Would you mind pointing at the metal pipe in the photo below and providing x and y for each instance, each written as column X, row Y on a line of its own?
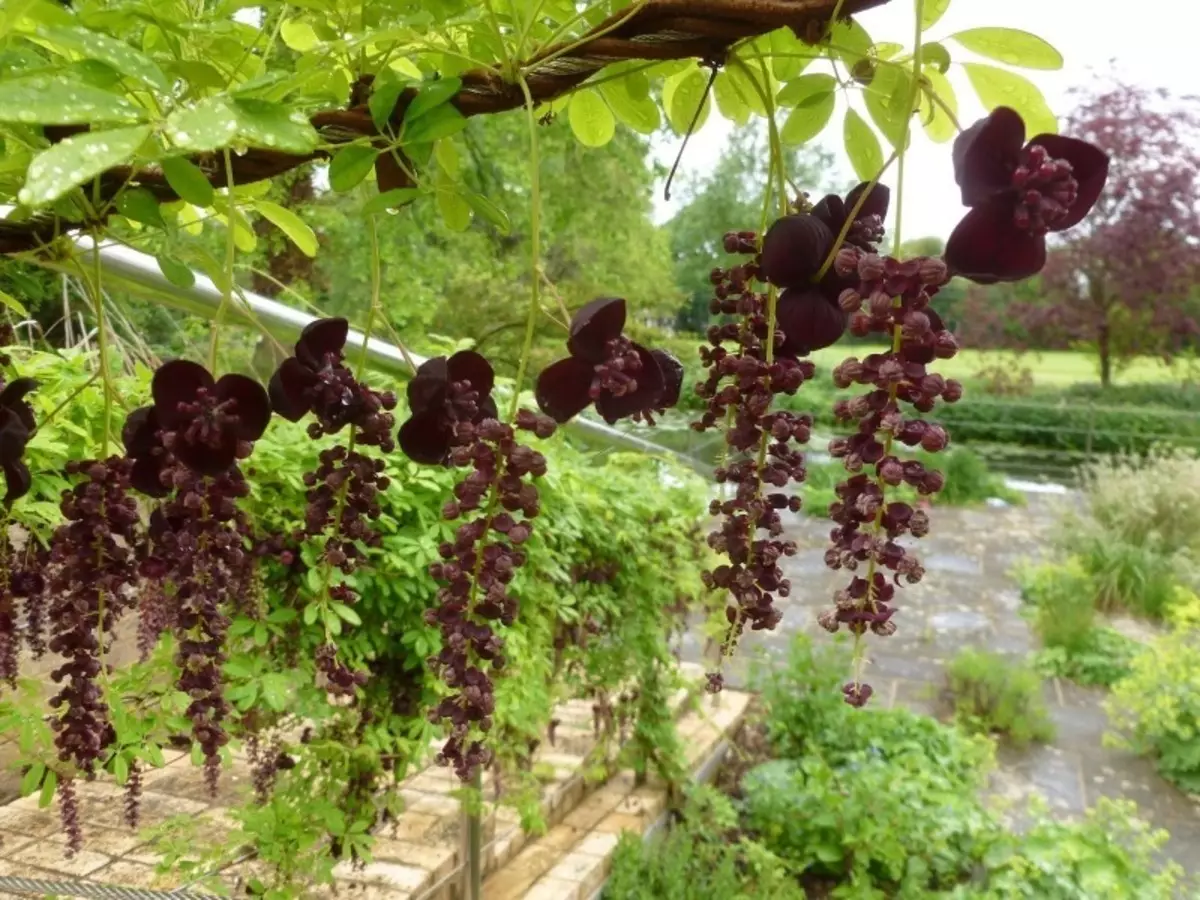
column 137, row 273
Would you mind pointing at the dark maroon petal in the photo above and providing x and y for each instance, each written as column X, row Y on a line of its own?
column 204, row 459
column 594, row 326
column 176, row 382
column 18, row 481
column 918, row 353
column 794, row 250
column 425, row 438
column 672, row 372
column 251, row 405
column 831, row 209
column 13, row 436
column 650, row 386
column 427, row 389
column 146, row 476
column 1089, row 165
column 876, row 203
column 487, row 409
column 467, row 365
column 808, row 321
column 562, row 388
column 320, row 338
column 987, row 247
column 287, row 389
column 13, row 397
column 935, row 321
column 140, row 432
column 986, row 154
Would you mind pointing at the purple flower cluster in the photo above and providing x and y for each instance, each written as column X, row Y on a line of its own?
column 454, row 419
column 95, row 571
column 741, row 385
column 896, row 299
column 345, row 486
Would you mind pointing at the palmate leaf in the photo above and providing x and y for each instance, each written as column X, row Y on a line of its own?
column 938, row 124
column 297, row 230
column 630, row 101
column 1000, row 87
column 862, row 146
column 78, row 159
column 808, row 119
column 591, row 120
column 683, row 94
column 1011, row 46
column 932, row 11
column 118, row 54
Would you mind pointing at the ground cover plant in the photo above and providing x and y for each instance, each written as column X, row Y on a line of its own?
column 254, row 526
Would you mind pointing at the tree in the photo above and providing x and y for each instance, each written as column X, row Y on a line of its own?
column 728, row 199
column 1121, row 281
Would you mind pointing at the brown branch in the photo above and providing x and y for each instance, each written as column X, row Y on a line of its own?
column 658, row 30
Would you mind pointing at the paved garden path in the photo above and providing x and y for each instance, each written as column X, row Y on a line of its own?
column 969, row 598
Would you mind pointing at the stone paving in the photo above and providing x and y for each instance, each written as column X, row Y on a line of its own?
column 969, row 598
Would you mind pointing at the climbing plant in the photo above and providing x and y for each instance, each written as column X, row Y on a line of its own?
column 144, row 123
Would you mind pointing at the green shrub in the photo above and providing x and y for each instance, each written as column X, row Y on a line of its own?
column 1127, row 576
column 1103, row 658
column 1064, row 601
column 703, row 856
column 1166, row 394
column 1155, row 710
column 992, row 694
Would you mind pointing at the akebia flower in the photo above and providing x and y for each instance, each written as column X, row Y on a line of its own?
column 446, row 399
column 203, row 423
column 316, row 380
column 1018, row 192
column 622, row 378
column 16, row 427
column 866, row 229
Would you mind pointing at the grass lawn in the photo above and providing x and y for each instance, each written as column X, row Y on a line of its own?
column 1051, row 368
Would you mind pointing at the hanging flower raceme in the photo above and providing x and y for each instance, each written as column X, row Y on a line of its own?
column 740, row 388
column 623, row 379
column 896, row 297
column 454, row 422
column 94, row 572
column 316, row 380
column 1018, row 192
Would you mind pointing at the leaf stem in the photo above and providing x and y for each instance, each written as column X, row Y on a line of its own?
column 230, row 259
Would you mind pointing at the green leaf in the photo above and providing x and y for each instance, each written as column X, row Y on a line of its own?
column 390, row 200
column 78, row 159
column 936, row 55
column 351, row 165
column 121, row 768
column 683, row 94
column 49, row 786
column 629, row 100
column 808, row 119
column 887, row 101
column 798, row 90
column 937, row 123
column 290, row 224
column 139, row 205
column 999, row 87
column 385, row 91
column 275, row 126
column 154, row 755
column 435, row 125
column 591, row 120
column 1012, row 46
column 456, row 212
column 122, row 57
column 32, row 779
column 347, row 613
column 205, row 126
column 60, row 100
column 186, row 180
column 175, row 272
column 310, row 613
column 298, row 35
column 8, row 300
column 789, row 55
column 431, row 96
column 275, row 691
column 486, row 209
column 851, row 42
column 862, row 146
column 932, row 11
column 446, row 155
column 729, row 101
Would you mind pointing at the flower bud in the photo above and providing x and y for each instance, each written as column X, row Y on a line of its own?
column 850, row 300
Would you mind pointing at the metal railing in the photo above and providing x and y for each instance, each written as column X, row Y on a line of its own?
column 138, row 273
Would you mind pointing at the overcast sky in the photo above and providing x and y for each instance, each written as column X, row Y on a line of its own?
column 1151, row 42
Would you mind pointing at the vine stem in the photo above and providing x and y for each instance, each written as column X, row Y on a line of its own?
column 872, row 564
column 102, row 340
column 230, row 259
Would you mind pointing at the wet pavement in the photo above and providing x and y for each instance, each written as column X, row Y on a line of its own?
column 970, row 598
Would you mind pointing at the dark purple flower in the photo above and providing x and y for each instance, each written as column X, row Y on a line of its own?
column 623, row 379
column 809, row 321
column 445, row 397
column 204, row 424
column 1018, row 192
column 16, row 427
column 296, row 387
column 867, row 228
